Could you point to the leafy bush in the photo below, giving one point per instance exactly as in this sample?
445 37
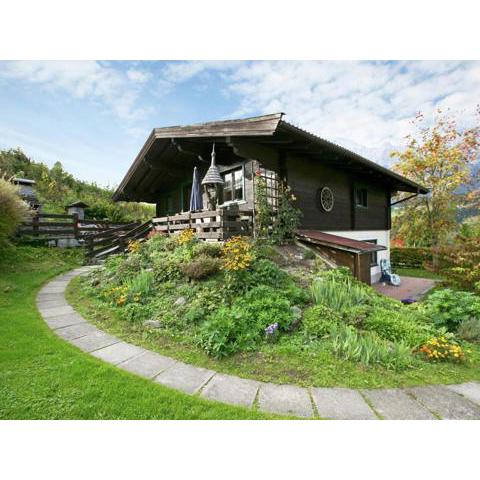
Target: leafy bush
12 210
201 267
137 312
469 330
410 257
369 349
448 308
318 321
460 264
398 326
265 305
209 249
356 315
229 330
166 267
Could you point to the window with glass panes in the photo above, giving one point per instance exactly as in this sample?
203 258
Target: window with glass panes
233 186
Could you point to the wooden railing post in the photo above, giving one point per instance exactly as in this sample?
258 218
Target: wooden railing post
221 219
35 222
90 245
75 225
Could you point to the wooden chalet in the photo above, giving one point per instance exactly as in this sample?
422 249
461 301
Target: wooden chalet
345 198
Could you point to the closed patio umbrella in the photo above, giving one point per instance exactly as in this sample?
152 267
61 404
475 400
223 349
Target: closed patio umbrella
196 202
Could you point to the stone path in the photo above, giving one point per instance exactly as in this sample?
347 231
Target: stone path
419 403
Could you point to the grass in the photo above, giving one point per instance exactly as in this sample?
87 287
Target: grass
417 273
287 362
43 377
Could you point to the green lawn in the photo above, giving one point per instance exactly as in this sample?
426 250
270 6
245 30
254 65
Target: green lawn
43 377
288 362
417 272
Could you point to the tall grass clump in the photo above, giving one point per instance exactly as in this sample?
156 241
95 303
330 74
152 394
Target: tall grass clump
12 210
369 349
338 292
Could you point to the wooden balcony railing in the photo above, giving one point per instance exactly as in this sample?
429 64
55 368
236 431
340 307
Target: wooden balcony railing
209 225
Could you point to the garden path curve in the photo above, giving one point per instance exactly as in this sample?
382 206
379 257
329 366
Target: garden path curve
456 402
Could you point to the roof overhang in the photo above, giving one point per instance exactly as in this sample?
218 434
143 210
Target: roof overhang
337 242
182 146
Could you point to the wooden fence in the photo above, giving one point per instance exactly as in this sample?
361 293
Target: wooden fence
212 224
56 225
115 239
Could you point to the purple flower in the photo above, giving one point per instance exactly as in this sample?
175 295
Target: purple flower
271 329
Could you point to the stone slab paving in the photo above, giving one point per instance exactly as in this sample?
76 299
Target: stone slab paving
446 403
42 297
341 404
57 302
230 389
394 404
470 390
147 364
64 320
449 402
94 341
184 377
54 311
118 352
75 331
285 399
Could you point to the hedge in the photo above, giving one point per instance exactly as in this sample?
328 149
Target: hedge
410 257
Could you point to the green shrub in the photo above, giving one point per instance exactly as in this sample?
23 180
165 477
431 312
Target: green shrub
318 321
209 249
398 327
469 330
356 315
265 305
165 266
201 267
136 312
131 265
369 349
229 330
12 210
410 257
448 308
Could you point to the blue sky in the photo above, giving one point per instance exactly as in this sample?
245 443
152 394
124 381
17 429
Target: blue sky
94 116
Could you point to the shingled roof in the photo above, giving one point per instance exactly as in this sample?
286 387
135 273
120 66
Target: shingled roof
266 130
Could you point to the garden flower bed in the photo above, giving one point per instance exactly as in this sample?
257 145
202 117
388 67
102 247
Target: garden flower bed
239 309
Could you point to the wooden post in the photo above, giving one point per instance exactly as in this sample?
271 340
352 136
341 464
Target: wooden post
75 225
35 221
221 219
168 225
90 245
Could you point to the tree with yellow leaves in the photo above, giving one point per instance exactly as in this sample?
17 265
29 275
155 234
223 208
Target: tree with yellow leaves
439 157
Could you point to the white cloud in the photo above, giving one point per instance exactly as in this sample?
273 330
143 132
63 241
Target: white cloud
84 80
366 106
138 75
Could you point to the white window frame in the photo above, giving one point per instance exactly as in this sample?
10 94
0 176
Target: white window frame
243 200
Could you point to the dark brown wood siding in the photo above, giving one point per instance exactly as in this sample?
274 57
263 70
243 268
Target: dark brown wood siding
306 176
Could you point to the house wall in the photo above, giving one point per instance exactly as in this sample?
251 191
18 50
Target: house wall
306 176
382 237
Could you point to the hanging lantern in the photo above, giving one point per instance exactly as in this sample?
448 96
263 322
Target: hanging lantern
212 182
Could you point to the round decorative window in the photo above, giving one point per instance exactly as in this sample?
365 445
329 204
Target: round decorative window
325 199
